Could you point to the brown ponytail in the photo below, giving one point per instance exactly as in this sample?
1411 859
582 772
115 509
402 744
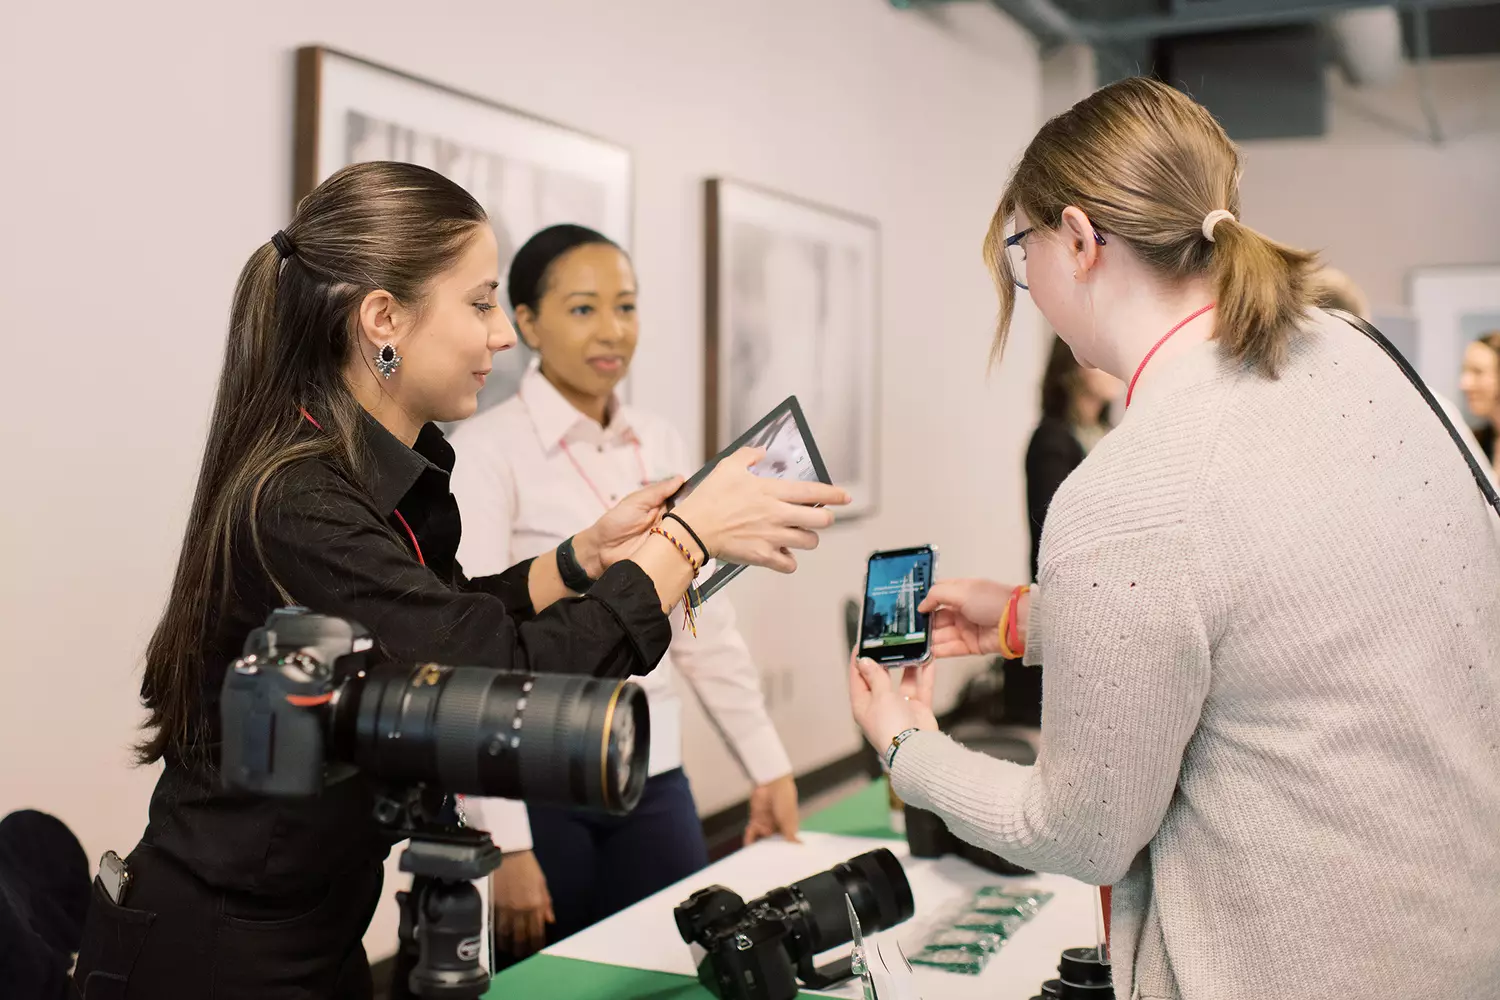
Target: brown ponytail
391 226
1262 289
1147 165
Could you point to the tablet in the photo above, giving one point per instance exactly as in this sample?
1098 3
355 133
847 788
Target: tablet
791 453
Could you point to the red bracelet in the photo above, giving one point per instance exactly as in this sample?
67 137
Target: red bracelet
1012 612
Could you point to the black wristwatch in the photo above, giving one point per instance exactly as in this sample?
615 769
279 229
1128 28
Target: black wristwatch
574 576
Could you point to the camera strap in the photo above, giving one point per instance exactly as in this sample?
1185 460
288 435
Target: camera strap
1385 345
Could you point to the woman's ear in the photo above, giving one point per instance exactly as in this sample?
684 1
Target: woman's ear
1079 232
382 320
526 326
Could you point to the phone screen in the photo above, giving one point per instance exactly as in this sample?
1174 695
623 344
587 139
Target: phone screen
893 630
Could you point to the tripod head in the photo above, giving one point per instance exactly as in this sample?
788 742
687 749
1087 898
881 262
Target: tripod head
442 915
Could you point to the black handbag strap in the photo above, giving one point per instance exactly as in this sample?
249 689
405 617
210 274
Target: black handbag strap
1416 380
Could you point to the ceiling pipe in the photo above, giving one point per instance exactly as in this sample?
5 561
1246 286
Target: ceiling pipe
1053 26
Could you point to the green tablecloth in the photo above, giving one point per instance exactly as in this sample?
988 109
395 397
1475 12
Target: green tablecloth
866 813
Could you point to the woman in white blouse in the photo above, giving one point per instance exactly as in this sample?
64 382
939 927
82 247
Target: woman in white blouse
531 472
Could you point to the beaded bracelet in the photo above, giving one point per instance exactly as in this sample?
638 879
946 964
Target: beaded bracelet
691 601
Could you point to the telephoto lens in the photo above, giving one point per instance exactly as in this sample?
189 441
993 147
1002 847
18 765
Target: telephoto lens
580 741
308 690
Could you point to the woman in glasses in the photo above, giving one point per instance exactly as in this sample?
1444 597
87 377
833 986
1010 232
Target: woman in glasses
1268 602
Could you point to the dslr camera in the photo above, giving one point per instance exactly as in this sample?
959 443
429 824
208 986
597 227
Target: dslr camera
760 949
310 703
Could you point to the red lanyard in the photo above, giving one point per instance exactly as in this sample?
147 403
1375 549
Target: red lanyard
409 533
640 462
1157 346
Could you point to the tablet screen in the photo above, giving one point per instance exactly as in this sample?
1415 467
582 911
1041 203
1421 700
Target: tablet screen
791 453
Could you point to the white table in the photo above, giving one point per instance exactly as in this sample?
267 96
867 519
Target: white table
645 935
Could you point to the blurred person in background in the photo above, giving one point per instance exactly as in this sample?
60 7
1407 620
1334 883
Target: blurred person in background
1075 417
532 471
1331 288
1480 383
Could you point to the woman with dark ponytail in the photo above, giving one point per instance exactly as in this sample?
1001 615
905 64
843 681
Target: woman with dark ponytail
324 483
1268 604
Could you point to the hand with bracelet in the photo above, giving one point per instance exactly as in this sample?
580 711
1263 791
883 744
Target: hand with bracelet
966 620
733 515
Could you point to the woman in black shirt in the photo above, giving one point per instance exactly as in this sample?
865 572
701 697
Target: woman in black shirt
325 483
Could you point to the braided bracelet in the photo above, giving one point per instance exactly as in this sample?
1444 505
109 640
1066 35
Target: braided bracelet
691 600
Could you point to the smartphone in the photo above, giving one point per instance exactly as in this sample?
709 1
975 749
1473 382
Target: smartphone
893 632
114 876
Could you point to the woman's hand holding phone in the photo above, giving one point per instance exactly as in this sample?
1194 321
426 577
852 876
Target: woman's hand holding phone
966 616
754 521
885 709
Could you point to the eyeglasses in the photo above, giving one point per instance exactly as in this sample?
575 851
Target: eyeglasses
1016 253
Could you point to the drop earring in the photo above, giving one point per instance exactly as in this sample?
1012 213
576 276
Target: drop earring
387 360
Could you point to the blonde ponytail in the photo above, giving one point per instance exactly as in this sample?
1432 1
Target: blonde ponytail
1154 170
1262 288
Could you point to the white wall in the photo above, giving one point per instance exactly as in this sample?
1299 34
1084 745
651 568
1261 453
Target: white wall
1378 198
149 151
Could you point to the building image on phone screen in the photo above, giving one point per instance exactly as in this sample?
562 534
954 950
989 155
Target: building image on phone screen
896 587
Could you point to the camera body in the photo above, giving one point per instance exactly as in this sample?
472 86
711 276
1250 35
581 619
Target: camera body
760 949
745 953
273 706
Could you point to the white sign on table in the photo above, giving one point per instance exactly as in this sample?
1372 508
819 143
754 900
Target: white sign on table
645 936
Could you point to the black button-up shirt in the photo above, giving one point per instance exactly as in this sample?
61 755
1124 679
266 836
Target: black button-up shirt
339 547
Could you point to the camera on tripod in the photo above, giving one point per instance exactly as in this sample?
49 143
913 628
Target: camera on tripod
309 703
758 950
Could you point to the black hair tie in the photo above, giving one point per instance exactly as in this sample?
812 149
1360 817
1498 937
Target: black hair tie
707 555
283 244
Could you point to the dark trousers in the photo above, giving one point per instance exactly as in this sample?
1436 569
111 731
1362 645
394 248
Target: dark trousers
178 937
597 865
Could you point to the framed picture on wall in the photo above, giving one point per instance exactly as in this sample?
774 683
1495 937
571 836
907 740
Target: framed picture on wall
527 172
1452 306
792 300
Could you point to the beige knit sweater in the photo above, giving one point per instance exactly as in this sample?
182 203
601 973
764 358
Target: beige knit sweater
1270 617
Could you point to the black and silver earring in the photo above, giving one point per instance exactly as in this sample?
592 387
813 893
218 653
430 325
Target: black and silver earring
387 360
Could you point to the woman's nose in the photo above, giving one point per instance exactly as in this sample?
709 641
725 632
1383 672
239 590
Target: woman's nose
502 335
609 328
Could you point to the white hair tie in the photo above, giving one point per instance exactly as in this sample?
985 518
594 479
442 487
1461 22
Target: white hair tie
1212 219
